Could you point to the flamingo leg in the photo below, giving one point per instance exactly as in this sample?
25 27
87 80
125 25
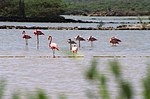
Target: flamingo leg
70 47
91 43
37 41
26 42
53 53
79 43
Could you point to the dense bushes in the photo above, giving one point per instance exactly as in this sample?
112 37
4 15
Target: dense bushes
48 9
44 8
32 8
125 7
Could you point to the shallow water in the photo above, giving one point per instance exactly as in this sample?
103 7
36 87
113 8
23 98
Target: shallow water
133 42
108 21
28 69
111 21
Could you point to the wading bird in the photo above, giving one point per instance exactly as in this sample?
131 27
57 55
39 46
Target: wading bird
71 43
26 37
37 33
91 39
53 46
114 40
79 38
74 49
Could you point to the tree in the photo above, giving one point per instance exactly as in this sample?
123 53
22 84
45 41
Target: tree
44 8
31 8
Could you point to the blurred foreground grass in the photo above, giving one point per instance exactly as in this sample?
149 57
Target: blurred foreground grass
92 74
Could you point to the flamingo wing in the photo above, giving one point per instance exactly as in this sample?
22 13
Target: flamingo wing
91 38
71 42
82 39
38 32
54 46
78 37
26 37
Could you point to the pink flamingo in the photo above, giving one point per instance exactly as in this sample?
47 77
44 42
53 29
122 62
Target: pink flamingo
114 40
26 37
79 38
37 33
71 42
91 39
53 46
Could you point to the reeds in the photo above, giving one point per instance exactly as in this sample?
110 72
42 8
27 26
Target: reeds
125 90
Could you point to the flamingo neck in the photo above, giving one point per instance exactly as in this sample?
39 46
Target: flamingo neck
50 38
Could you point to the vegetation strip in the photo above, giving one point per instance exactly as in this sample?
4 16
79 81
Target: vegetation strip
124 27
73 56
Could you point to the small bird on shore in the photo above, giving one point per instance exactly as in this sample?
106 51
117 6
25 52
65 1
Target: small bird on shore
114 40
79 38
91 39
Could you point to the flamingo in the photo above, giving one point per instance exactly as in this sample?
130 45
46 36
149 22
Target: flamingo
79 38
71 42
74 49
114 40
26 37
53 46
37 33
91 39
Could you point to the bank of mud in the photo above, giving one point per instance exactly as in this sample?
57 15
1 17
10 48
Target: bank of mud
121 27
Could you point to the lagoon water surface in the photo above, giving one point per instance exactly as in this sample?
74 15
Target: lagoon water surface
28 68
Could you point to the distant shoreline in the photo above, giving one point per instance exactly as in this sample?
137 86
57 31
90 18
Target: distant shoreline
61 19
52 19
111 13
121 27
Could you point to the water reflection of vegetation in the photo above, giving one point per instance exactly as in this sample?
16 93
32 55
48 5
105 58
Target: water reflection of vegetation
125 90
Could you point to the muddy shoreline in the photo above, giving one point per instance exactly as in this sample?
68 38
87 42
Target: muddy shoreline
111 13
121 27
